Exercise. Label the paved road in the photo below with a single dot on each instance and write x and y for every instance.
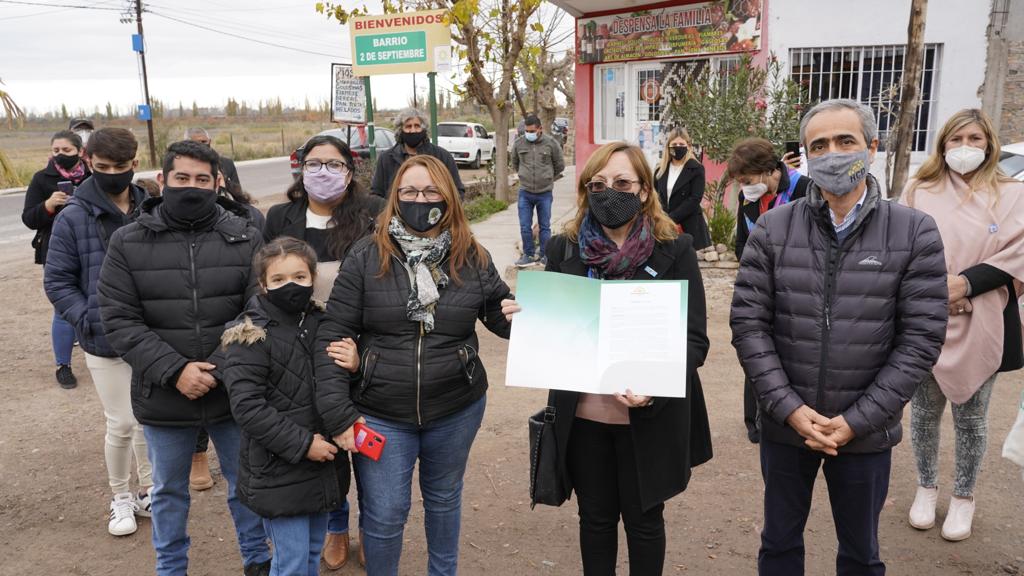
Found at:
(261, 178)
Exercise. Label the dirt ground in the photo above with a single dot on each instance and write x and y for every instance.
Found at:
(53, 493)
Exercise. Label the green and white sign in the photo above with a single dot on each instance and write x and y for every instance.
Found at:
(409, 42)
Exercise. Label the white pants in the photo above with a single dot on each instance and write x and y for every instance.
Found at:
(113, 380)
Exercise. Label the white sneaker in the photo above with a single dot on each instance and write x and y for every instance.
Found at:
(122, 515)
(959, 518)
(144, 504)
(922, 513)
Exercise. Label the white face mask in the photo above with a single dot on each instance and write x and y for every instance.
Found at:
(753, 192)
(964, 159)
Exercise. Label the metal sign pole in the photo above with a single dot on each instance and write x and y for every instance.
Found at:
(433, 107)
(369, 120)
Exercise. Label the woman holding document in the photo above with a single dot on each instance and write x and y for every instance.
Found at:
(625, 454)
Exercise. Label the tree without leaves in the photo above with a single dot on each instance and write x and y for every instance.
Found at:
(542, 73)
(489, 35)
(913, 61)
(14, 114)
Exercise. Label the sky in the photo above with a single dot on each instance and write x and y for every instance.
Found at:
(83, 57)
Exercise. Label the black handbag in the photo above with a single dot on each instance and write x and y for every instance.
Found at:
(545, 484)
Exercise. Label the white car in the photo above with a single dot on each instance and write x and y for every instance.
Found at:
(467, 142)
(1011, 160)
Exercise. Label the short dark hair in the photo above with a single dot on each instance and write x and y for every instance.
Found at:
(117, 144)
(189, 149)
(532, 120)
(281, 247)
(752, 156)
(68, 135)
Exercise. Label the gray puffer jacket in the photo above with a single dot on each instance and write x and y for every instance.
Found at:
(848, 328)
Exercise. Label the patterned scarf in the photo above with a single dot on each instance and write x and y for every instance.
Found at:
(423, 257)
(607, 259)
(75, 175)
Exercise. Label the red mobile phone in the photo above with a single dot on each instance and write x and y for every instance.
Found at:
(368, 442)
(66, 187)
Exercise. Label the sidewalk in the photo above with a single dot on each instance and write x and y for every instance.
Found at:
(500, 233)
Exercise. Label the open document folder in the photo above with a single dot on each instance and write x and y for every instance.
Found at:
(599, 336)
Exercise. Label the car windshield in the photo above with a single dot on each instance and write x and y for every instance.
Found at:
(453, 130)
(1012, 165)
(357, 139)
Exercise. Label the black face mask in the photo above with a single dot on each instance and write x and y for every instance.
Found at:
(421, 216)
(113, 184)
(189, 204)
(678, 152)
(66, 162)
(614, 209)
(292, 298)
(413, 139)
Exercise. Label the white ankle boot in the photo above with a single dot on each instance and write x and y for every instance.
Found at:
(922, 513)
(959, 518)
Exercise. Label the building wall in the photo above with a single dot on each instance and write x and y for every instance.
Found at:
(1010, 83)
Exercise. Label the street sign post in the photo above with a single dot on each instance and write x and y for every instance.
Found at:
(410, 42)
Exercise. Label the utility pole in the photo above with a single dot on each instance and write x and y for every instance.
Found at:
(141, 48)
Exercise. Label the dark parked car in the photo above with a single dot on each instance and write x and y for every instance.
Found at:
(383, 139)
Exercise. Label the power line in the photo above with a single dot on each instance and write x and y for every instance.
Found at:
(240, 37)
(46, 5)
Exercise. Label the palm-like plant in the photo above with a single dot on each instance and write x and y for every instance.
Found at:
(11, 109)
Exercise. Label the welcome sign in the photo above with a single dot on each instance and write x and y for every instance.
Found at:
(404, 43)
(718, 27)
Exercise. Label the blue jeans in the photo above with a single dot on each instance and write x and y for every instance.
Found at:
(297, 543)
(63, 335)
(527, 202)
(337, 519)
(442, 448)
(170, 453)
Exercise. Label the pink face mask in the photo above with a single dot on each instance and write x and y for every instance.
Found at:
(325, 186)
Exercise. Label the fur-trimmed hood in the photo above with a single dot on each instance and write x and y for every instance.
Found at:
(251, 325)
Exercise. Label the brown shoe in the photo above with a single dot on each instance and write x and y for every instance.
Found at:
(200, 478)
(336, 550)
(362, 554)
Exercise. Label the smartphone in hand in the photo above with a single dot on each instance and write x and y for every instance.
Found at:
(368, 442)
(66, 187)
(793, 147)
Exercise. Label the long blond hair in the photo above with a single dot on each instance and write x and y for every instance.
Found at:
(465, 249)
(986, 178)
(666, 154)
(664, 229)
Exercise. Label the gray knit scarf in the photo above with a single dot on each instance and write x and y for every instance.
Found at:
(423, 257)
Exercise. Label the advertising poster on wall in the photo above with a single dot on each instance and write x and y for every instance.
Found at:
(717, 27)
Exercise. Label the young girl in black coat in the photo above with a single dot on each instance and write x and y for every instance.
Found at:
(289, 473)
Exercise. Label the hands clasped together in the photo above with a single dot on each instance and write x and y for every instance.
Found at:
(820, 433)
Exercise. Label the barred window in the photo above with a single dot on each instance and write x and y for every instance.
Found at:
(871, 75)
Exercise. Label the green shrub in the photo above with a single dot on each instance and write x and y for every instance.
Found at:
(722, 225)
(481, 207)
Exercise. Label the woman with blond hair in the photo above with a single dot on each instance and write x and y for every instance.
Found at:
(625, 455)
(411, 295)
(679, 180)
(980, 215)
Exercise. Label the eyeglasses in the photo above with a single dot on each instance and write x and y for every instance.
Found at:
(619, 185)
(410, 194)
(334, 166)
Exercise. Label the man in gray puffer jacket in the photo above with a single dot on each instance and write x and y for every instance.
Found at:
(839, 312)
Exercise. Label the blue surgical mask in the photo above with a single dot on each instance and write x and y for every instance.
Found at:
(532, 136)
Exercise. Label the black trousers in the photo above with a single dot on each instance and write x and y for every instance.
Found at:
(602, 465)
(202, 441)
(857, 487)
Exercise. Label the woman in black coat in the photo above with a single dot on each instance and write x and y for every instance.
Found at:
(43, 200)
(625, 455)
(679, 180)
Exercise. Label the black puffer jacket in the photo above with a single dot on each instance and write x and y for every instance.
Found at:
(408, 375)
(269, 377)
(165, 295)
(847, 329)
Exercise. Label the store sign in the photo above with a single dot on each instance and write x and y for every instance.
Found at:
(718, 27)
(404, 43)
(348, 96)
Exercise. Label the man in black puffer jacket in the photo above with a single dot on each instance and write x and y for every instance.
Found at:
(839, 312)
(170, 282)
